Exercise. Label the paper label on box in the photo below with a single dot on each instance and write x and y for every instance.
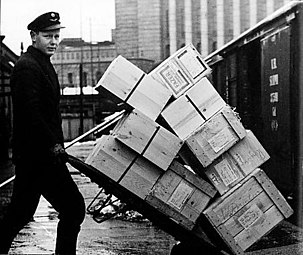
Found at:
(180, 195)
(173, 77)
(220, 140)
(250, 216)
(214, 178)
(192, 63)
(226, 172)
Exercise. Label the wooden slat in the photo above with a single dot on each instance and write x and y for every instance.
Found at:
(274, 193)
(234, 121)
(250, 235)
(150, 97)
(224, 173)
(111, 157)
(120, 77)
(193, 178)
(229, 240)
(249, 153)
(135, 130)
(163, 148)
(181, 70)
(166, 185)
(182, 117)
(195, 205)
(205, 98)
(148, 138)
(262, 201)
(141, 177)
(227, 205)
(170, 212)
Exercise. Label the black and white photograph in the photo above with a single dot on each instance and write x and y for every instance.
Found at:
(151, 127)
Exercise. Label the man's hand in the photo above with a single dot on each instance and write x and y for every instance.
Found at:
(59, 155)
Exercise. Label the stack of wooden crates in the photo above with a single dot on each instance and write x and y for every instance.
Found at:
(178, 116)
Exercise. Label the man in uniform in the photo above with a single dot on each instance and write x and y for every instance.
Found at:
(38, 150)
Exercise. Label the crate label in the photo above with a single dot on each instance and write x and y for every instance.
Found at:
(252, 155)
(215, 179)
(180, 195)
(220, 140)
(192, 63)
(250, 216)
(226, 172)
(174, 77)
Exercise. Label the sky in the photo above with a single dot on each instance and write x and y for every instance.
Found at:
(90, 19)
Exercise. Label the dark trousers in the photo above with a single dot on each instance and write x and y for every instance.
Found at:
(56, 185)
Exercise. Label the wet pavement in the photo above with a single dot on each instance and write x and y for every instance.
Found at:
(117, 237)
(111, 237)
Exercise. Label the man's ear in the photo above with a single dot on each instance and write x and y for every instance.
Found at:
(33, 36)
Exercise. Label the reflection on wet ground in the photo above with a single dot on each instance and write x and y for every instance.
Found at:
(112, 237)
(120, 237)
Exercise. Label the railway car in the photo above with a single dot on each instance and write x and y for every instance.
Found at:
(260, 73)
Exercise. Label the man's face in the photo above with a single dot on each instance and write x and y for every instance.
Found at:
(46, 41)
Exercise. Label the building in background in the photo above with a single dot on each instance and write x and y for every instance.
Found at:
(142, 28)
(94, 58)
(155, 29)
(7, 61)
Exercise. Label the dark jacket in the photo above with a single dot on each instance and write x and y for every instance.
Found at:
(36, 94)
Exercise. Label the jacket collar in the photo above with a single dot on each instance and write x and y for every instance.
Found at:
(38, 54)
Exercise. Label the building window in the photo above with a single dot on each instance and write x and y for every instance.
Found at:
(98, 75)
(70, 78)
(214, 45)
(84, 79)
(199, 47)
(167, 51)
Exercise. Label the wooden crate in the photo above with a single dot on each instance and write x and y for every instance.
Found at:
(249, 153)
(181, 70)
(111, 157)
(246, 213)
(187, 113)
(182, 117)
(215, 136)
(224, 173)
(124, 165)
(239, 161)
(134, 87)
(181, 195)
(148, 138)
